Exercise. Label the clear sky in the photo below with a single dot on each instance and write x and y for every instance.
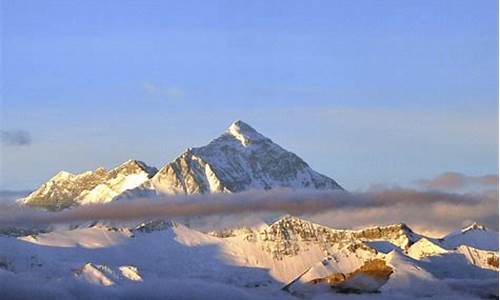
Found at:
(366, 92)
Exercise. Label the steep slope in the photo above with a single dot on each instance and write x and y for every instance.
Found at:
(481, 258)
(61, 190)
(67, 189)
(122, 178)
(240, 159)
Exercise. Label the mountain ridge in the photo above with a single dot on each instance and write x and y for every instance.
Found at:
(240, 159)
(66, 189)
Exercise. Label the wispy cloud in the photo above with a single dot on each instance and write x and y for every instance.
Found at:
(457, 181)
(15, 137)
(163, 91)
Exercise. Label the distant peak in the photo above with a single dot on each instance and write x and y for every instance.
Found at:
(473, 226)
(132, 162)
(133, 166)
(245, 133)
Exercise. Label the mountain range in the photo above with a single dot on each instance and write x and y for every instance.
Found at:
(291, 258)
(288, 258)
(241, 159)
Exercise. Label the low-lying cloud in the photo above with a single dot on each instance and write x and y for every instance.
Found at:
(434, 210)
(457, 181)
(15, 137)
(23, 287)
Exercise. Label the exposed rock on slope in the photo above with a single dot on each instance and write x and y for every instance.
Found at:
(367, 279)
(481, 258)
(67, 189)
(290, 235)
(241, 159)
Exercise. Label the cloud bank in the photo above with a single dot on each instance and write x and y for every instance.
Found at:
(15, 137)
(22, 287)
(335, 208)
(457, 181)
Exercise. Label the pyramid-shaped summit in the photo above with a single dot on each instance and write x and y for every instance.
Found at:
(244, 133)
(241, 159)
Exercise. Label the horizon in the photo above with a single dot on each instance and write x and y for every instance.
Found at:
(362, 99)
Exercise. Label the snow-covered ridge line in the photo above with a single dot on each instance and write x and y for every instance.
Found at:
(241, 159)
(285, 237)
(116, 258)
(66, 189)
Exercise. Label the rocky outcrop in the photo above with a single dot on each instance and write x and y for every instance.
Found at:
(372, 275)
(289, 235)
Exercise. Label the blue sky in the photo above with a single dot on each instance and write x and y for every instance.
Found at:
(367, 92)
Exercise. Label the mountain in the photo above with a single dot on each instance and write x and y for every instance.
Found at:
(425, 247)
(66, 189)
(291, 236)
(160, 259)
(241, 159)
(474, 235)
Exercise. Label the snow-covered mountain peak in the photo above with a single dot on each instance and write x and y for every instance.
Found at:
(132, 166)
(239, 160)
(289, 222)
(473, 226)
(425, 247)
(244, 133)
(285, 237)
(475, 235)
(66, 189)
(62, 175)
